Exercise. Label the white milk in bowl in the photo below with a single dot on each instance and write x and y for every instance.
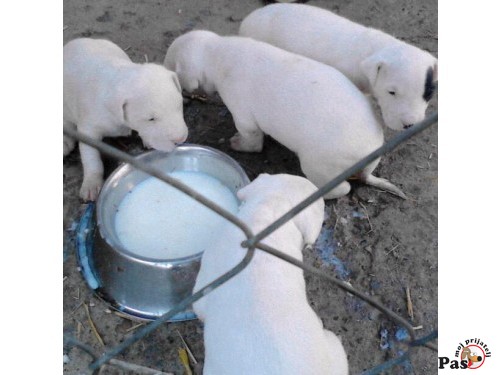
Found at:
(156, 220)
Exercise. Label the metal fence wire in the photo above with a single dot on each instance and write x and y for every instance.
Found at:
(252, 243)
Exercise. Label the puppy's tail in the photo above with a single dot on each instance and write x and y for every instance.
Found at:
(383, 184)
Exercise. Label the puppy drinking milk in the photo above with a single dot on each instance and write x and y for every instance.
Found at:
(400, 76)
(309, 107)
(107, 95)
(260, 322)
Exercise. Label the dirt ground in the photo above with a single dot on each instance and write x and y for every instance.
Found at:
(381, 244)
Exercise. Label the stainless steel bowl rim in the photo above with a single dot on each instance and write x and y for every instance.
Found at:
(161, 263)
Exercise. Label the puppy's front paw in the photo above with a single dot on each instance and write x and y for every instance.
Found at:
(90, 188)
(238, 143)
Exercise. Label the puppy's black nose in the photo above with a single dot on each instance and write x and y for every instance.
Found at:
(479, 358)
(407, 126)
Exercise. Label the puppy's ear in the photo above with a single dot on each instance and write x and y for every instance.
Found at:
(177, 84)
(309, 221)
(252, 189)
(117, 106)
(281, 197)
(371, 67)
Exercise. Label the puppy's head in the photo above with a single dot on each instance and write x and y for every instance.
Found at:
(283, 192)
(153, 107)
(402, 79)
(185, 57)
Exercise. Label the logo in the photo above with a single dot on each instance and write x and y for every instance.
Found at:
(471, 356)
(474, 360)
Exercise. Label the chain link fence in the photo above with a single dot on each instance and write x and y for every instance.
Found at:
(252, 244)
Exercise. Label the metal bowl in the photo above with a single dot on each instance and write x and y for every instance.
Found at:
(140, 287)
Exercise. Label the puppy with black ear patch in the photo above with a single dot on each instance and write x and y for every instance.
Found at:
(401, 77)
(260, 322)
(107, 95)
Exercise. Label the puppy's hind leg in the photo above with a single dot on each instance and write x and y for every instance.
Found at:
(249, 137)
(320, 177)
(381, 183)
(339, 191)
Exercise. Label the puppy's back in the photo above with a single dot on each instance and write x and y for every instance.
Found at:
(89, 66)
(316, 33)
(82, 49)
(304, 89)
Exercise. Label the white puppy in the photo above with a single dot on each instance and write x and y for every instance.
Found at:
(260, 322)
(107, 95)
(400, 76)
(309, 107)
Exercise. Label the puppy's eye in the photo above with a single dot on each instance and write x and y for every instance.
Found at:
(393, 93)
(152, 119)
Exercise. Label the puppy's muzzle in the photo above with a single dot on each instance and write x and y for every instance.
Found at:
(180, 140)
